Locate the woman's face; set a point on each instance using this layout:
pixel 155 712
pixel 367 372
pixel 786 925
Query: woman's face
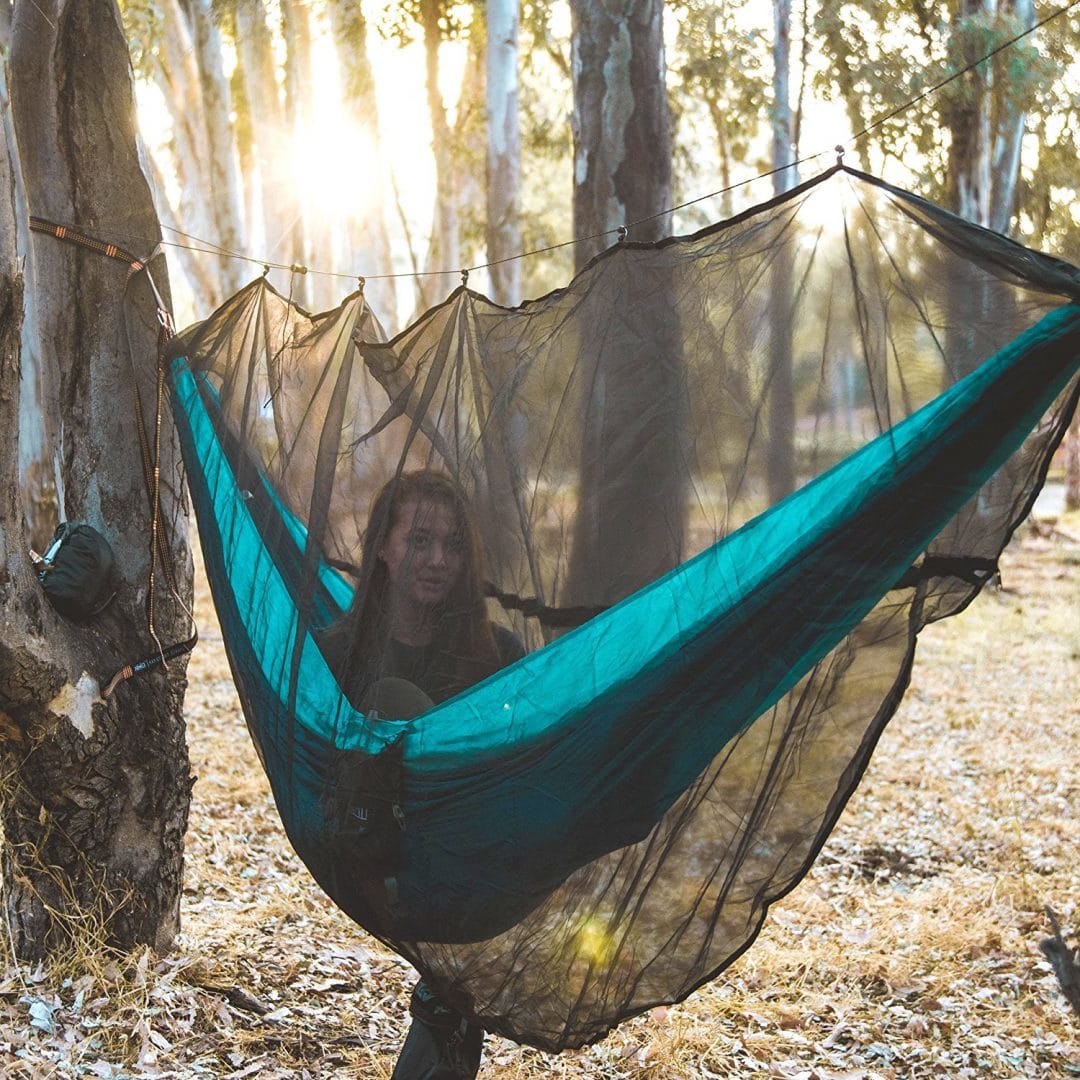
pixel 423 552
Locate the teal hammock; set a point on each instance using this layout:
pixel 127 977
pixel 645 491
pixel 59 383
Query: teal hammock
pixel 600 826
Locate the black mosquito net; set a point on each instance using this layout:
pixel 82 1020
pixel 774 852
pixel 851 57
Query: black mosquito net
pixel 565 632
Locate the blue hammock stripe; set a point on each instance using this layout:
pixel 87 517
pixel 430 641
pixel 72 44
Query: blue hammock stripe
pixel 587 742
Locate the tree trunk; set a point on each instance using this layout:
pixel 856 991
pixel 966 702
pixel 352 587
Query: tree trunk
pixel 622 132
pixel 223 187
pixel 370 245
pixel 632 488
pixel 275 193
pixel 37 475
pixel 96 793
pixel 1072 464
pixel 504 152
pixel 303 243
pixel 1005 165
pixel 174 68
pixel 781 410
pixel 969 177
pixel 972 187
pixel 443 250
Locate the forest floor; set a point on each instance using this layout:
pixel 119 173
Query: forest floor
pixel 910 950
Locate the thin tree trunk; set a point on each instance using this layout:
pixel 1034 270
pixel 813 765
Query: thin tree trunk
pixel 504 152
pixel 175 70
pixel 969 174
pixel 275 193
pixel 1072 464
pixel 443 250
pixel 38 473
pixel 370 249
pixel 95 799
pixel 1005 166
pixel 303 243
pixel 223 187
pixel 781 394
pixel 968 184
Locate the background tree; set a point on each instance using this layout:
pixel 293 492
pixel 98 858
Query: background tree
pixel 367 231
pixel 781 461
pixel 721 69
pixel 177 46
pixel 95 794
pixel 504 151
pixel 631 498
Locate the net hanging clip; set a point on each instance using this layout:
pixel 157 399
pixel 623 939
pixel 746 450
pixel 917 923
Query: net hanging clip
pixel 266 270
pixel 623 231
pixel 464 278
pixel 839 154
pixel 361 282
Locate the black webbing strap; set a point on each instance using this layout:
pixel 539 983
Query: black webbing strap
pixel 81 239
pixel 973 570
pixel 545 614
pixel 529 606
pixel 148 663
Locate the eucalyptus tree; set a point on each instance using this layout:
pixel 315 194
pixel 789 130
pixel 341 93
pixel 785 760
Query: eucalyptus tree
pixel 367 232
pixel 504 151
pixel 632 498
pixel 176 45
pixel 622 128
pixel 95 792
pixel 961 145
pixel 458 142
pixel 781 379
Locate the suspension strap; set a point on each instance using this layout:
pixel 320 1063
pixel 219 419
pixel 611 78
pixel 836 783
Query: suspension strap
pixel 80 239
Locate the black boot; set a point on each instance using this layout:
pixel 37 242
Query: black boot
pixel 441 1044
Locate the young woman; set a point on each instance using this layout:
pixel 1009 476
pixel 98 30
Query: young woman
pixel 419 616
pixel 416 634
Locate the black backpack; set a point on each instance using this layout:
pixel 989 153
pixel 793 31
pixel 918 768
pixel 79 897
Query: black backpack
pixel 76 571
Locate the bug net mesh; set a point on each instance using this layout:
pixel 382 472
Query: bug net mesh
pixel 562 840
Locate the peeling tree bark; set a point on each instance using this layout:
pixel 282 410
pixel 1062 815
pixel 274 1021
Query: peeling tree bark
pixel 1008 141
pixel 622 131
pixel 95 798
pixel 969 175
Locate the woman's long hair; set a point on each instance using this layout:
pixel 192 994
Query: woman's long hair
pixel 465 650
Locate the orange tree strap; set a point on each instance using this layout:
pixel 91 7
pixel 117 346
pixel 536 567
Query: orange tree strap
pixel 81 239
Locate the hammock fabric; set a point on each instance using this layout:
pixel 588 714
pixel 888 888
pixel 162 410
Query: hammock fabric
pixel 768 454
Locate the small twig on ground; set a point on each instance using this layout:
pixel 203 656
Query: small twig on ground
pixel 1064 961
pixel 237 998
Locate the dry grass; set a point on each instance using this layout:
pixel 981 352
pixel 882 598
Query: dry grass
pixel 911 950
